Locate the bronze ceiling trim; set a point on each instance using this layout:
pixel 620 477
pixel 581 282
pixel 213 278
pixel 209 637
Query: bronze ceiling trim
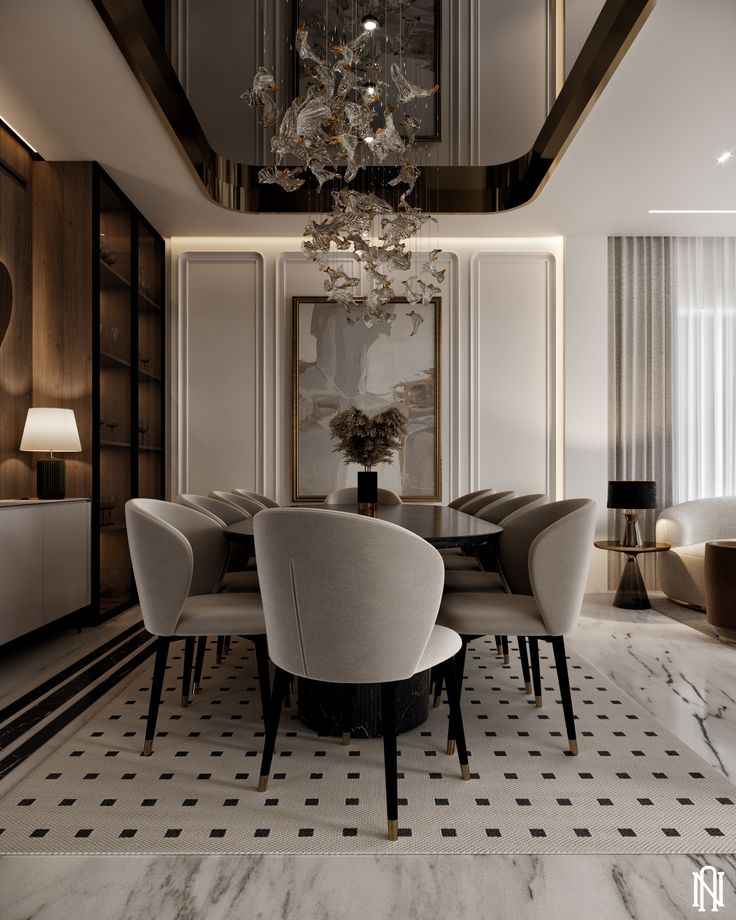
pixel 440 189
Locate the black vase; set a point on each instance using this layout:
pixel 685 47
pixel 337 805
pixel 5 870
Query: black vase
pixel 367 488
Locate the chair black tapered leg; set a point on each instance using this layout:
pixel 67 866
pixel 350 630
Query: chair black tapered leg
pixel 220 649
pixel 536 675
pixel 199 664
pixel 505 649
pixel 456 730
pixel 186 671
pixel 432 682
pixel 264 680
pixel 499 646
pixel 459 660
pixel 280 683
pixel 524 658
pixel 438 683
pixel 346 714
pixel 558 646
pixel 388 718
pixel 459 667
pixel 157 682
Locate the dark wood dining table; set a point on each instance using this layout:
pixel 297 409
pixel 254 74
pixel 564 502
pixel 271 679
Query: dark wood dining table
pixel 319 706
pixel 442 527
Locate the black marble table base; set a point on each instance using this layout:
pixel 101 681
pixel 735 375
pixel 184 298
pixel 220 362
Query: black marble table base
pixel 320 706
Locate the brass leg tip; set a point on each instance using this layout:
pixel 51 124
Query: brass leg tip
pixel 528 687
pixel 184 702
pixel 465 770
pixel 574 748
pixel 539 701
pixel 147 749
pixel 346 738
pixel 450 747
pixel 499 650
pixel 432 689
pixel 505 659
pixel 196 689
pixel 436 702
pixel 218 659
pixel 262 783
pixel 393 830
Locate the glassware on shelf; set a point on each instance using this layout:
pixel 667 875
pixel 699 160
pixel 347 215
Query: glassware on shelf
pixel 142 429
pixel 107 255
pixel 144 360
pixel 112 424
pixel 107 503
pixel 109 336
pixel 143 282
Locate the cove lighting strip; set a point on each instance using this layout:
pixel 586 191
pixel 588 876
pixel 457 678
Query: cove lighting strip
pixel 697 211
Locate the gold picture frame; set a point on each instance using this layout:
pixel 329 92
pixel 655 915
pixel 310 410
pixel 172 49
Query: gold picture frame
pixel 334 365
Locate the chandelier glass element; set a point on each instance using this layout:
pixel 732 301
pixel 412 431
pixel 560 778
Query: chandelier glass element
pixel 335 130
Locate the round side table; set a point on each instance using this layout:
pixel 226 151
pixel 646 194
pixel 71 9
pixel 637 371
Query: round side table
pixel 631 593
pixel 720 587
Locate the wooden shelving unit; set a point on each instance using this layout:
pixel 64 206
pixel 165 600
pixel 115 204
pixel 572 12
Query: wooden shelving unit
pixel 104 353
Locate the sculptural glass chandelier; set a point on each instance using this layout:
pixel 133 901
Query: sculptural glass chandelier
pixel 350 118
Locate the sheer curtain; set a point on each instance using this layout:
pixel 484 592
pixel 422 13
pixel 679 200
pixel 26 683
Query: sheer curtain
pixel 640 354
pixel 705 372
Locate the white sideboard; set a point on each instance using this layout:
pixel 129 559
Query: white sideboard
pixel 44 562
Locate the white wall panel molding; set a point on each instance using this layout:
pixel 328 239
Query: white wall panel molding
pixel 226 341
pixel 513 330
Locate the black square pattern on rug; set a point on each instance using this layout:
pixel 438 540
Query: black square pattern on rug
pixel 634 788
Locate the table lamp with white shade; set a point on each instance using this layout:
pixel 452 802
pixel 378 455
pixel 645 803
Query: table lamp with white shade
pixel 54 430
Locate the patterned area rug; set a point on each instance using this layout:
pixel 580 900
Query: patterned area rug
pixel 634 788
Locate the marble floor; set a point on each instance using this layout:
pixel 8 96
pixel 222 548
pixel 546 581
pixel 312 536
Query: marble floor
pixel 683 677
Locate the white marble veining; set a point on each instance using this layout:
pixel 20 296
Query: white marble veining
pixel 355 888
pixel 687 680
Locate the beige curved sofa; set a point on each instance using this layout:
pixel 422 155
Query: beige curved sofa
pixel 688 527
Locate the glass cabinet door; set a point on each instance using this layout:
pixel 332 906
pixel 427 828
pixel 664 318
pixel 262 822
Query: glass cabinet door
pixel 115 349
pixel 150 341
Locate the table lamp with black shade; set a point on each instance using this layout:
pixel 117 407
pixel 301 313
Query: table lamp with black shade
pixel 51 430
pixel 632 496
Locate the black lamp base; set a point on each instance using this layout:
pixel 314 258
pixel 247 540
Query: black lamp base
pixel 51 478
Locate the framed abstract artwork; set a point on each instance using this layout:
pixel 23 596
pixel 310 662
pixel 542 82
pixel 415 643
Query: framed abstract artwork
pixel 337 365
pixel 410 37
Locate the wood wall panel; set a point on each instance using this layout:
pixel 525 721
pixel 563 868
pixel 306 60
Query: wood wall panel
pixel 16 356
pixel 62 303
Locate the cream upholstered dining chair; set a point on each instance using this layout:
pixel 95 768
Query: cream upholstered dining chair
pixel 263 499
pixel 474 505
pixel 544 558
pixel 457 561
pixel 178 556
pixel 251 505
pixel 332 585
pixel 239 574
pixel 456 503
pixel 486 577
pixel 225 514
pixel 349 496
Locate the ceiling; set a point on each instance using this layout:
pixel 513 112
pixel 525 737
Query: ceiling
pixel 650 141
